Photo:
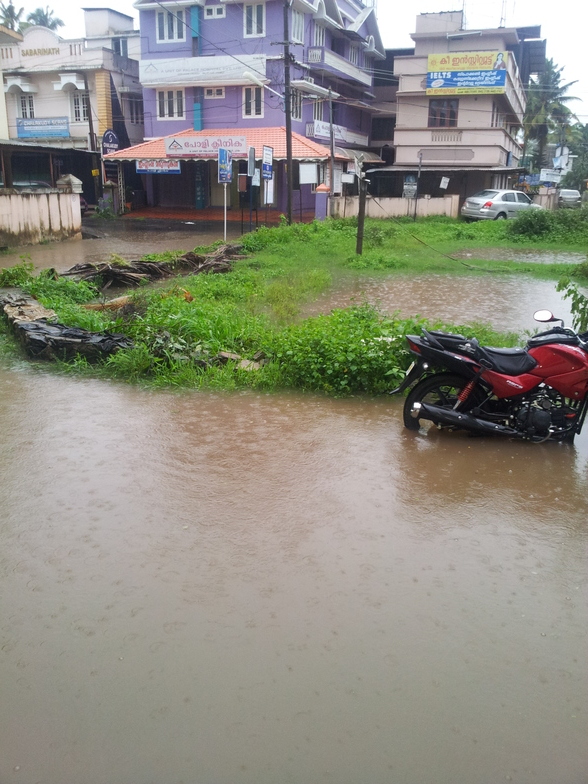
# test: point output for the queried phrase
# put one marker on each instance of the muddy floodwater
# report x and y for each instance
(285, 589)
(129, 238)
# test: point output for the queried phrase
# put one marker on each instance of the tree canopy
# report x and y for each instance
(44, 17)
(9, 16)
(12, 19)
(547, 111)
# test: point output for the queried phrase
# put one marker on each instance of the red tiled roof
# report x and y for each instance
(302, 148)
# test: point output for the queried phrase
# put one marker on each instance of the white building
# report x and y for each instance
(69, 92)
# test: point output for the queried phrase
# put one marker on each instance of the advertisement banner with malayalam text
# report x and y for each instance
(467, 73)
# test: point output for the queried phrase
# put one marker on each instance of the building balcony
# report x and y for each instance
(322, 131)
(471, 147)
(221, 70)
(326, 61)
(69, 55)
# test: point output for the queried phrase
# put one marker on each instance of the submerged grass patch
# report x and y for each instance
(255, 308)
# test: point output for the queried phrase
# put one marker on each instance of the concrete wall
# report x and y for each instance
(30, 218)
(348, 207)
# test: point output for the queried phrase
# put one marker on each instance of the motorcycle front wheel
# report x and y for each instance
(439, 390)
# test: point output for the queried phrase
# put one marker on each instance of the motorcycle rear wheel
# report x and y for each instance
(442, 390)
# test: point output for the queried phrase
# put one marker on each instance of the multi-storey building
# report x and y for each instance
(459, 100)
(68, 92)
(219, 65)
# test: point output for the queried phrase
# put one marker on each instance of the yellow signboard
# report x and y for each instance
(466, 73)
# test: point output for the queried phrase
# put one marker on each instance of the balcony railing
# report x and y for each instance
(319, 56)
(446, 135)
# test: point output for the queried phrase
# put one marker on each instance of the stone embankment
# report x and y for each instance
(42, 337)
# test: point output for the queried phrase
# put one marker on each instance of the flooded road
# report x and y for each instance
(255, 589)
(285, 589)
(129, 238)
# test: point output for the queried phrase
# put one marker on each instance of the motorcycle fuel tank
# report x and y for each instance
(565, 368)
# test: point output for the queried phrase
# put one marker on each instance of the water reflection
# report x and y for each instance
(286, 588)
(130, 239)
(505, 302)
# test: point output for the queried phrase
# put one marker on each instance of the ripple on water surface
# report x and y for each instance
(260, 588)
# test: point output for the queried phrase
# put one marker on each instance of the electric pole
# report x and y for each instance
(288, 112)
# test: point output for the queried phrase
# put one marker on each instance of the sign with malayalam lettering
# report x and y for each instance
(163, 166)
(42, 127)
(205, 146)
(466, 73)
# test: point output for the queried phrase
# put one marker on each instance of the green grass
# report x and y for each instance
(257, 306)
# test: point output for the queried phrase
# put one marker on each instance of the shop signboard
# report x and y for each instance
(205, 146)
(267, 162)
(467, 73)
(42, 127)
(163, 166)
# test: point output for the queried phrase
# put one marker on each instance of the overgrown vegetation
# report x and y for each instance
(568, 226)
(578, 300)
(180, 328)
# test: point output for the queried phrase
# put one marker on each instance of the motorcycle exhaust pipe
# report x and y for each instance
(444, 416)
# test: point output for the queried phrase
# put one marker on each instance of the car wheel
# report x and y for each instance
(500, 216)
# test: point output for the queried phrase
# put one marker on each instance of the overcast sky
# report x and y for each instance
(563, 24)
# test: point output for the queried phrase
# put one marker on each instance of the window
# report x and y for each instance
(80, 106)
(170, 104)
(135, 103)
(383, 128)
(27, 106)
(170, 25)
(296, 105)
(522, 198)
(214, 92)
(317, 111)
(215, 12)
(498, 117)
(443, 112)
(354, 55)
(297, 26)
(252, 102)
(508, 197)
(120, 46)
(318, 35)
(254, 19)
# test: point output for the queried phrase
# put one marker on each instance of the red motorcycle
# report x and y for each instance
(537, 393)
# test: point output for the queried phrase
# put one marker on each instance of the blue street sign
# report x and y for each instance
(225, 165)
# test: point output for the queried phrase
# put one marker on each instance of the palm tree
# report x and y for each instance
(546, 107)
(9, 16)
(578, 143)
(45, 18)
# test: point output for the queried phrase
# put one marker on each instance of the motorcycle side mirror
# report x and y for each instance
(544, 315)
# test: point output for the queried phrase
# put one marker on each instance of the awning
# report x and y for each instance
(443, 169)
(303, 149)
(359, 156)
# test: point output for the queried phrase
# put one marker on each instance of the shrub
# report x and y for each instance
(353, 350)
(568, 225)
(17, 275)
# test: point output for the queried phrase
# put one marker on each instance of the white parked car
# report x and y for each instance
(496, 205)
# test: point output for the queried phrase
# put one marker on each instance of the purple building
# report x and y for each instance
(219, 64)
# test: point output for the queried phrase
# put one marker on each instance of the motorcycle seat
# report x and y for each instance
(509, 361)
